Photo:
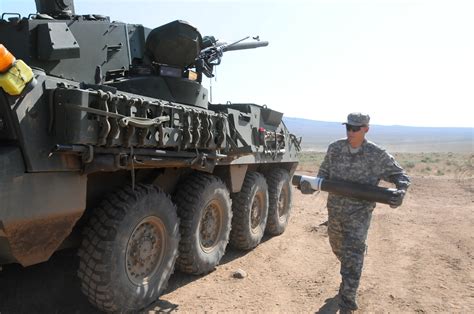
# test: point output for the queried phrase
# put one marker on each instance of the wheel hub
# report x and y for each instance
(145, 250)
(256, 212)
(283, 203)
(210, 226)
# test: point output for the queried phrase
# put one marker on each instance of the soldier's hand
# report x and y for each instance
(305, 188)
(397, 199)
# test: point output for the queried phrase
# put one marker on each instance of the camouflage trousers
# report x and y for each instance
(347, 230)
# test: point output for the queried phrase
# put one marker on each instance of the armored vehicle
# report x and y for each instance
(108, 143)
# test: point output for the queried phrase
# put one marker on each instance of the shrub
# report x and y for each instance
(426, 159)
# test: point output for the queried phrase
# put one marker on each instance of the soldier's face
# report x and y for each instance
(356, 134)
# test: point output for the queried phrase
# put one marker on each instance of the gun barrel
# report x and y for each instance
(242, 46)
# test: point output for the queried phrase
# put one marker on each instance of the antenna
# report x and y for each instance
(210, 90)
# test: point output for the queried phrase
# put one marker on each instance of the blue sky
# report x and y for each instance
(405, 62)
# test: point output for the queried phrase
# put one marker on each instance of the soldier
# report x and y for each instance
(357, 160)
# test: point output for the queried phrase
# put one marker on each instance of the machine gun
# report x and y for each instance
(212, 54)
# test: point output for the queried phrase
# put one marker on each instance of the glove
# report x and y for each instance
(305, 188)
(397, 199)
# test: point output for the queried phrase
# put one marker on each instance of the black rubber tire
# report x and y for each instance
(280, 199)
(108, 246)
(250, 210)
(201, 196)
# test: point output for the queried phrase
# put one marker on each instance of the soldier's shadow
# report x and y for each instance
(331, 306)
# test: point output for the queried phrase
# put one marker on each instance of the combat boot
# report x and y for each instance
(346, 304)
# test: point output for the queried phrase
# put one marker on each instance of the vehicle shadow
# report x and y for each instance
(50, 287)
(53, 286)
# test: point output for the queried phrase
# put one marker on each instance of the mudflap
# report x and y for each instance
(37, 210)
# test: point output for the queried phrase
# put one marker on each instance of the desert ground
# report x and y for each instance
(419, 259)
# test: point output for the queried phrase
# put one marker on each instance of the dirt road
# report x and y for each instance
(420, 259)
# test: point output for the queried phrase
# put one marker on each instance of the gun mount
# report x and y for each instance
(212, 54)
(108, 144)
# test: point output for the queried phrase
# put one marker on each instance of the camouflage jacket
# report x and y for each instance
(368, 165)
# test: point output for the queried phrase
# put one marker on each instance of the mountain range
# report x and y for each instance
(316, 135)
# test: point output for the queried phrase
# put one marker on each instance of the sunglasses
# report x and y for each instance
(353, 128)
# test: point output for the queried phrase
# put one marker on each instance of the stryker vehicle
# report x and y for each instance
(110, 144)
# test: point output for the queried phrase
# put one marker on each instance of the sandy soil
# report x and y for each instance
(419, 259)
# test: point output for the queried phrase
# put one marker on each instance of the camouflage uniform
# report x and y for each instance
(349, 218)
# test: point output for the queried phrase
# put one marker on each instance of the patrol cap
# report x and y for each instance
(357, 119)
